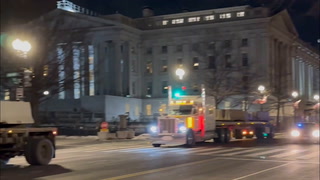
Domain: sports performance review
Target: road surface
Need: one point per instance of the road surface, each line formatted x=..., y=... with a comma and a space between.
x=137, y=160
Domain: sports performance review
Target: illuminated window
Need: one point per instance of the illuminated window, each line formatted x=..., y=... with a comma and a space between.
x=240, y=14
x=164, y=87
x=76, y=72
x=148, y=110
x=164, y=65
x=193, y=19
x=149, y=67
x=127, y=107
x=61, y=57
x=177, y=21
x=163, y=108
x=45, y=70
x=208, y=18
x=7, y=95
x=91, y=69
x=165, y=22
x=149, y=89
x=225, y=16
x=195, y=63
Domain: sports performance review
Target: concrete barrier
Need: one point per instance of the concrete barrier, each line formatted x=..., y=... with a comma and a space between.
x=122, y=134
x=131, y=134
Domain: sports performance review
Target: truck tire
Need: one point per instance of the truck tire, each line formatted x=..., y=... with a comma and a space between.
x=156, y=145
x=227, y=136
x=190, y=138
x=259, y=133
x=39, y=151
x=238, y=134
x=221, y=136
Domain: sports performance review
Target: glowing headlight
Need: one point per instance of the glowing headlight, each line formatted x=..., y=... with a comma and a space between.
x=315, y=133
x=182, y=129
x=295, y=133
x=153, y=129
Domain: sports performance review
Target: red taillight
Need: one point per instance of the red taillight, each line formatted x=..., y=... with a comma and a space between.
x=55, y=133
x=244, y=132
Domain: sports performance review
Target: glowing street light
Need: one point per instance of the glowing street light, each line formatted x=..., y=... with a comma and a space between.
x=180, y=72
x=316, y=97
x=261, y=88
x=23, y=46
x=294, y=94
x=46, y=93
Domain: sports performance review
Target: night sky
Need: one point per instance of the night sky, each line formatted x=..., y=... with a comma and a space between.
x=305, y=13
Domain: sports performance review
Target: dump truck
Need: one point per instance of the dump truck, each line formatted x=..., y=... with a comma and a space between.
x=194, y=118
x=20, y=137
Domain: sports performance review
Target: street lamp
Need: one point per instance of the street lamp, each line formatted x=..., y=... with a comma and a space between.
x=180, y=72
x=23, y=46
x=261, y=88
x=295, y=94
x=46, y=93
x=316, y=97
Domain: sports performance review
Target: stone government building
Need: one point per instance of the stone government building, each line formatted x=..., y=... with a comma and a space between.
x=132, y=61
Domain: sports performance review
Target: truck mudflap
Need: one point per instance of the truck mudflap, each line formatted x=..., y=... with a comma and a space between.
x=168, y=139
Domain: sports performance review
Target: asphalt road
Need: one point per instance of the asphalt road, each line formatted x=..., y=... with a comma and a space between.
x=137, y=160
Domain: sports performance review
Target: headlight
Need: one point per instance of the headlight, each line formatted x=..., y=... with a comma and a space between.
x=182, y=129
x=153, y=129
x=315, y=133
x=295, y=133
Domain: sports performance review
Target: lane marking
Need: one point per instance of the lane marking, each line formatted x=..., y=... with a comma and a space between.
x=264, y=152
x=158, y=170
x=222, y=151
x=292, y=152
x=240, y=152
x=252, y=174
x=311, y=156
x=269, y=160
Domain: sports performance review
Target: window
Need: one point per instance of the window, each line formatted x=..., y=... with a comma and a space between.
x=212, y=62
x=133, y=88
x=164, y=49
x=45, y=70
x=133, y=65
x=225, y=16
x=179, y=61
x=164, y=65
x=195, y=63
x=76, y=72
x=179, y=48
x=240, y=14
x=149, y=89
x=121, y=48
x=177, y=21
x=227, y=44
x=245, y=59
x=193, y=19
x=164, y=87
x=149, y=50
x=91, y=70
x=227, y=105
x=149, y=67
x=6, y=95
x=61, y=57
x=165, y=22
x=244, y=42
x=228, y=61
x=137, y=111
x=208, y=18
x=148, y=110
x=211, y=46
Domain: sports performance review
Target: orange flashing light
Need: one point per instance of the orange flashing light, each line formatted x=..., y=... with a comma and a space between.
x=190, y=122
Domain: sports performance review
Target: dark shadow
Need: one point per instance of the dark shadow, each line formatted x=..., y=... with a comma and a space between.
x=10, y=171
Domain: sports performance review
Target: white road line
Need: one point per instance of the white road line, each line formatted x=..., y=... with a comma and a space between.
x=221, y=151
x=292, y=152
x=240, y=152
x=252, y=174
x=314, y=155
x=264, y=152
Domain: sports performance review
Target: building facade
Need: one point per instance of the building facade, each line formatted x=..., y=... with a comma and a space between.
x=131, y=62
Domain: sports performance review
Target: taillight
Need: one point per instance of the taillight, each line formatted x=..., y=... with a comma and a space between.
x=251, y=132
x=244, y=132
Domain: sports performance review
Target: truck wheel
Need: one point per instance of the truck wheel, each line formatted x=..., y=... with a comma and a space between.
x=190, y=139
x=238, y=134
x=227, y=136
x=221, y=136
x=39, y=151
x=156, y=145
x=259, y=133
